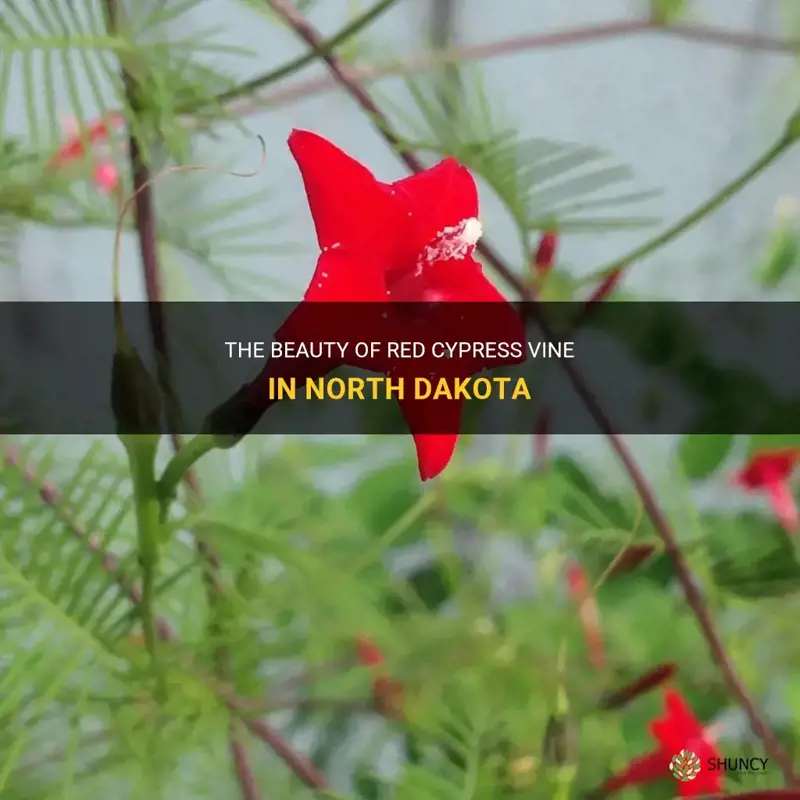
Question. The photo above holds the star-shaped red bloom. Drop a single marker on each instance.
(403, 251)
(770, 471)
(677, 730)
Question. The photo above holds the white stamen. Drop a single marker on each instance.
(453, 242)
(473, 230)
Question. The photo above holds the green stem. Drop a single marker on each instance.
(693, 217)
(148, 527)
(296, 64)
(179, 465)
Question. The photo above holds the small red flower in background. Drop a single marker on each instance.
(677, 730)
(106, 176)
(545, 252)
(392, 245)
(770, 471)
(387, 694)
(581, 592)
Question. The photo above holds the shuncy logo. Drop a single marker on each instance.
(685, 766)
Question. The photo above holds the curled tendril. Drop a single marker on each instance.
(125, 205)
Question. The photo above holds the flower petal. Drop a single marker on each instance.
(434, 451)
(435, 199)
(344, 275)
(349, 206)
(766, 466)
(434, 426)
(462, 281)
(784, 506)
(341, 276)
(106, 177)
(678, 725)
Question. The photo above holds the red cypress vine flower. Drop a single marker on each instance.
(387, 694)
(677, 730)
(770, 471)
(403, 252)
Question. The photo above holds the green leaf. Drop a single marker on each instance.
(700, 454)
(782, 256)
(584, 502)
(751, 556)
(526, 502)
(665, 12)
(380, 499)
(771, 441)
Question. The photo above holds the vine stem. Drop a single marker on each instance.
(235, 101)
(153, 280)
(148, 526)
(306, 31)
(703, 210)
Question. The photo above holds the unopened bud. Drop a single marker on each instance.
(792, 132)
(135, 396)
(559, 748)
(545, 252)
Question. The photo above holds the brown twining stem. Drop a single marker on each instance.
(50, 495)
(529, 42)
(694, 598)
(153, 279)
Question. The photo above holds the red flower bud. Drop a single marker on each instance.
(545, 252)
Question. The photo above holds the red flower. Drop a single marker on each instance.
(770, 471)
(387, 694)
(106, 177)
(677, 730)
(545, 252)
(403, 251)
